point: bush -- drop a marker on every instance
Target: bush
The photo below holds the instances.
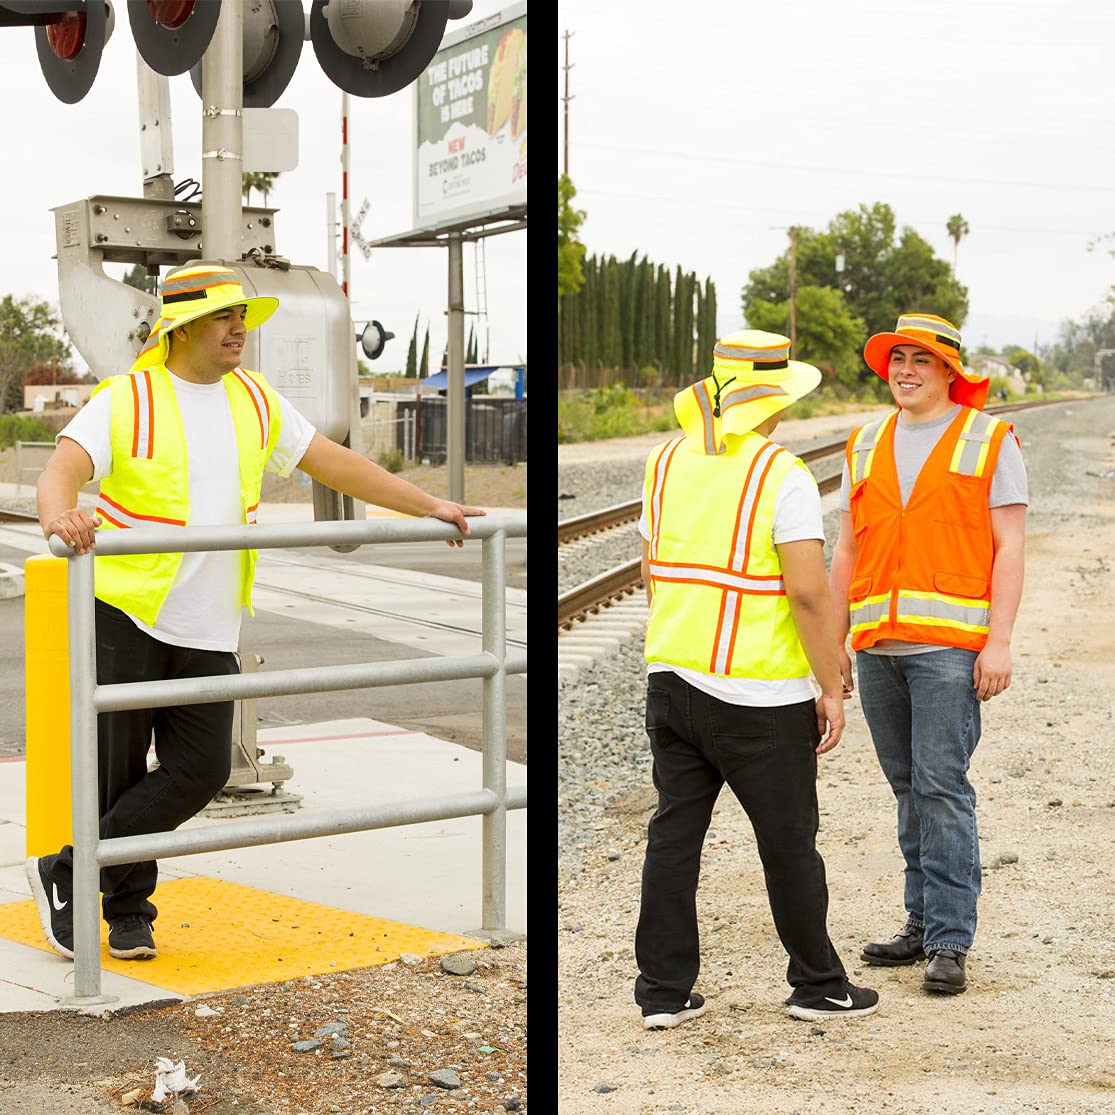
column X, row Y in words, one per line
column 15, row 427
column 391, row 459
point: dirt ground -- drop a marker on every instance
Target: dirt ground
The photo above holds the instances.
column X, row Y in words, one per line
column 1032, row 1033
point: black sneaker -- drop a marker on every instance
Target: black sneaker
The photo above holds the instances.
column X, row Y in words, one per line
column 55, row 902
column 664, row 1020
column 129, row 938
column 853, row 1003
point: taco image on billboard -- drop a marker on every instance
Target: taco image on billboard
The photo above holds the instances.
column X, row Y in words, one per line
column 519, row 93
column 501, row 79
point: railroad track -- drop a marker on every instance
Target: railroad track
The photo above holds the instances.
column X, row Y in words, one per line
column 587, row 599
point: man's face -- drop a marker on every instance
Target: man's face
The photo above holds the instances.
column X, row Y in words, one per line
column 216, row 341
column 919, row 378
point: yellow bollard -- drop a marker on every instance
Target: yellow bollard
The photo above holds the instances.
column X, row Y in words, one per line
column 47, row 701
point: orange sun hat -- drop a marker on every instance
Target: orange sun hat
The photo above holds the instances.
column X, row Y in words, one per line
column 939, row 336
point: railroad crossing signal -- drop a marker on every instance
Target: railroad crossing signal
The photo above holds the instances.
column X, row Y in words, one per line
column 370, row 48
column 356, row 234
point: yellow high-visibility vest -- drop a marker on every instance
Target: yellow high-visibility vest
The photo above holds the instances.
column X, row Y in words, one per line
column 719, row 603
column 148, row 482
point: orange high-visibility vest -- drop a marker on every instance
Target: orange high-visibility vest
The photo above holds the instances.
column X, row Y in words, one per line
column 923, row 571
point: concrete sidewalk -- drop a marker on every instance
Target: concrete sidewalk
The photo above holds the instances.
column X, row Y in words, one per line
column 280, row 911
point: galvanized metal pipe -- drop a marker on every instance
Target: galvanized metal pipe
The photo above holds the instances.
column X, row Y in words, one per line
column 83, row 783
column 180, row 540
column 281, row 683
column 494, row 712
column 276, row 830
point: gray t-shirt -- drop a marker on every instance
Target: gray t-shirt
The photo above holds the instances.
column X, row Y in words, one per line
column 913, row 442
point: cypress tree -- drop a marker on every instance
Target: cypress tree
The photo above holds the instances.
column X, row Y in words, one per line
column 412, row 352
column 424, row 362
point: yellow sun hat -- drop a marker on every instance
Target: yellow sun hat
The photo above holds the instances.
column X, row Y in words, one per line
column 753, row 378
column 191, row 292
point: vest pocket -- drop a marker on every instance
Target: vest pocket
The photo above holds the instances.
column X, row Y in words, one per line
column 960, row 584
column 961, row 501
column 860, row 589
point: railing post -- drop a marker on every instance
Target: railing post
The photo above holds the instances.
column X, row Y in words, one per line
column 494, row 641
column 84, row 785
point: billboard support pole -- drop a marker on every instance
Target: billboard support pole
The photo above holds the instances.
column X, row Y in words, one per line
column 455, row 373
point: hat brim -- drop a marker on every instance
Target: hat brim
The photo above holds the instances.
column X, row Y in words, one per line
column 258, row 308
column 966, row 389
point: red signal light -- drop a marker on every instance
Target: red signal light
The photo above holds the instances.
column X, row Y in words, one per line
column 171, row 13
column 66, row 36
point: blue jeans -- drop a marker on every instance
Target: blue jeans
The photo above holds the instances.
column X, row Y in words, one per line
column 925, row 723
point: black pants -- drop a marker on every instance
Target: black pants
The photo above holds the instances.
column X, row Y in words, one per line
column 767, row 757
column 193, row 744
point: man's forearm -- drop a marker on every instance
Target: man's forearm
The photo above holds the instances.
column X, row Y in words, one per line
column 364, row 480
column 840, row 579
column 816, row 628
column 54, row 494
column 1006, row 591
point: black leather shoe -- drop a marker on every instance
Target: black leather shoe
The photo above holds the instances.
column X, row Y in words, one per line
column 945, row 972
column 904, row 948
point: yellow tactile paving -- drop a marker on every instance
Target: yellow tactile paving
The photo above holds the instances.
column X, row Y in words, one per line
column 214, row 935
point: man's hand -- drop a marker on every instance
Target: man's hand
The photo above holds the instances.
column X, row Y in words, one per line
column 455, row 513
column 992, row 671
column 830, row 715
column 75, row 527
column 846, row 673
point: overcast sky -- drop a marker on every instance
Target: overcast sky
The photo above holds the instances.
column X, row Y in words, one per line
column 696, row 128
column 57, row 153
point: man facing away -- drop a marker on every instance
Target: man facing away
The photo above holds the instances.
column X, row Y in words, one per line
column 927, row 576
column 734, row 567
column 182, row 439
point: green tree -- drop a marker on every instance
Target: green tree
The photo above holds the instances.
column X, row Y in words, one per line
column 470, row 348
column 412, row 352
column 887, row 272
column 957, row 230
column 570, row 249
column 138, row 278
column 1025, row 361
column 30, row 333
column 424, row 360
column 830, row 336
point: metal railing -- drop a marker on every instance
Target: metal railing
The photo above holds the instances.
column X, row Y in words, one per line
column 88, row 699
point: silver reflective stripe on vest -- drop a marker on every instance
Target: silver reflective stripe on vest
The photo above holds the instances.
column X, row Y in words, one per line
column 869, row 613
column 660, row 467
column 747, row 505
column 261, row 406
column 142, row 441
column 727, row 626
column 864, row 448
column 972, row 441
column 717, row 578
column 940, row 611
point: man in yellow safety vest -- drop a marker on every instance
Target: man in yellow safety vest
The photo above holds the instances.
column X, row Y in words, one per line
column 733, row 561
column 182, row 439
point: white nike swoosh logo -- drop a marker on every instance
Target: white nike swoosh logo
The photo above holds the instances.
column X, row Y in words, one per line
column 845, row 1002
column 54, row 898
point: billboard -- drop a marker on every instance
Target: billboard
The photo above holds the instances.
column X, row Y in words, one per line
column 471, row 122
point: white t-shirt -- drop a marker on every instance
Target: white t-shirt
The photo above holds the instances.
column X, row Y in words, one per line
column 202, row 609
column 797, row 516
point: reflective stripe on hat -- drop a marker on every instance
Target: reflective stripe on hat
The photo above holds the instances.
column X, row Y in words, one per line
column 780, row 352
column 932, row 609
column 193, row 284
column 120, row 516
column 143, row 416
column 733, row 396
column 969, row 458
column 944, row 332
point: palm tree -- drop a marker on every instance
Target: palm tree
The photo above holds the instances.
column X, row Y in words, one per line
column 957, row 229
column 261, row 180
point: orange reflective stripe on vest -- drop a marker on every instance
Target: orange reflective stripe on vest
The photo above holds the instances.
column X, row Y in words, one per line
column 923, row 570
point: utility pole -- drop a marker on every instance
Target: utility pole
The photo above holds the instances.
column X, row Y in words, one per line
column 566, row 99
column 793, row 291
